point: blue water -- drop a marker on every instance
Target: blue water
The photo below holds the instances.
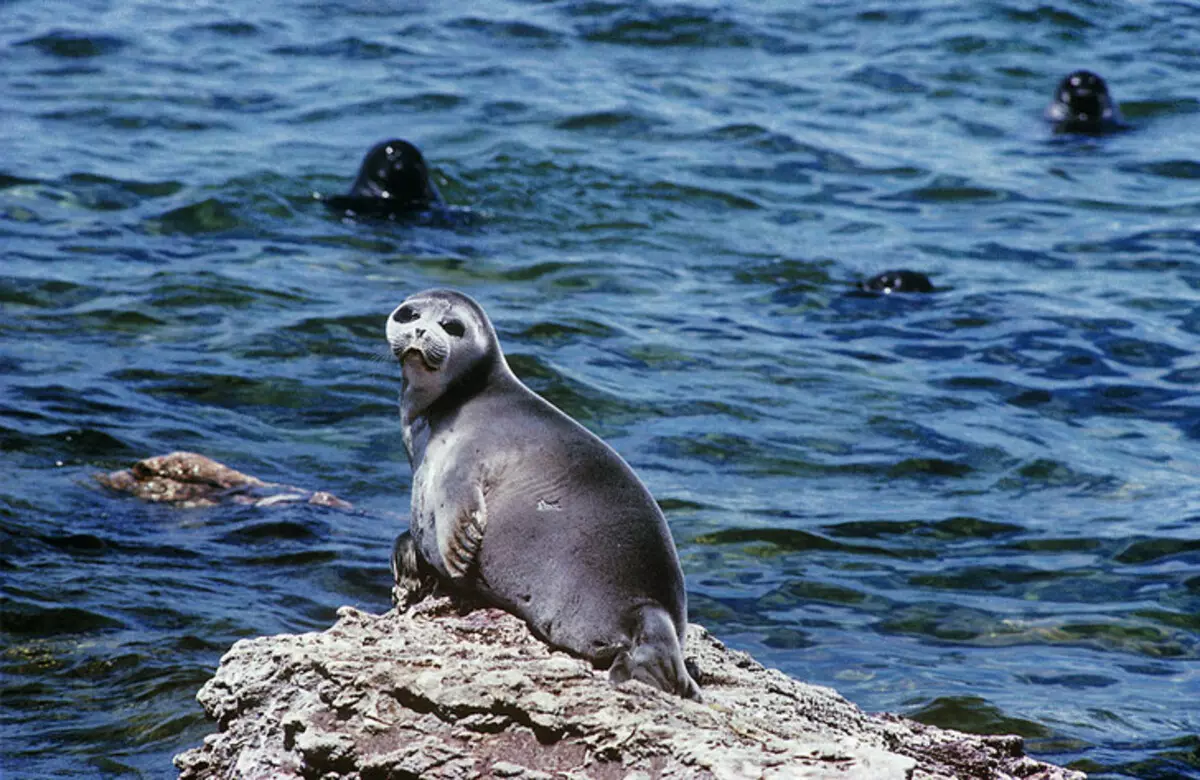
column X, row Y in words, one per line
column 978, row 507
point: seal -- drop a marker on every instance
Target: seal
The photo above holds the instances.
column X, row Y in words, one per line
column 392, row 180
column 1082, row 104
column 897, row 281
column 518, row 504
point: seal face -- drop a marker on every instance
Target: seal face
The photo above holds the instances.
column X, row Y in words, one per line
column 515, row 502
column 1082, row 105
column 897, row 281
column 392, row 180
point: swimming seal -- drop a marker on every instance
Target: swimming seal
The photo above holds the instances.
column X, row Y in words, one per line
column 897, row 281
column 516, row 503
column 1082, row 105
column 392, row 180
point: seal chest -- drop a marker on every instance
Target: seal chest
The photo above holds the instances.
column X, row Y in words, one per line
column 515, row 502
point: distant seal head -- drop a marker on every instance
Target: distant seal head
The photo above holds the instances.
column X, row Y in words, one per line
column 1082, row 104
column 516, row 503
column 898, row 281
column 392, row 180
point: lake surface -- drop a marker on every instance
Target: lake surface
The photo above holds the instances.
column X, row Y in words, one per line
column 979, row 507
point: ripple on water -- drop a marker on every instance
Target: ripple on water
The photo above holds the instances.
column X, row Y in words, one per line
column 973, row 501
column 71, row 45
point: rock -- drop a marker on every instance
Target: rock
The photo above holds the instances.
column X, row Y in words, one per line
column 436, row 693
column 187, row 479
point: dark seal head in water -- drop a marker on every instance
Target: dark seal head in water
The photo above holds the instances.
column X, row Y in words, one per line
column 392, row 180
column 1082, row 105
column 898, row 281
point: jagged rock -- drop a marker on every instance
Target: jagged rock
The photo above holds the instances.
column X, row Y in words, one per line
column 435, row 693
column 188, row 479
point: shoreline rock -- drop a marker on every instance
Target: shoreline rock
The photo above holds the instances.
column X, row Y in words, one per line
column 435, row 693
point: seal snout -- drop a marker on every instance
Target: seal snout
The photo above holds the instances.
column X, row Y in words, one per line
column 412, row 354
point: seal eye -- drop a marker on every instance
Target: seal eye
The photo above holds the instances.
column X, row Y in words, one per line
column 404, row 314
column 455, row 328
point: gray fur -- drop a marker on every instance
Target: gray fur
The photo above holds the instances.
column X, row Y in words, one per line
column 515, row 502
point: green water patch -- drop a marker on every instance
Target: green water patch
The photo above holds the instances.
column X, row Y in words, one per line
column 874, row 529
column 134, row 320
column 951, row 528
column 102, row 193
column 767, row 542
column 798, row 591
column 1186, row 621
column 964, row 527
column 926, row 467
column 787, row 274
column 950, row 190
column 281, row 399
column 609, row 122
column 71, row 45
column 1188, row 170
column 1053, row 545
column 1010, row 580
column 207, row 216
column 655, row 27
column 520, row 33
column 566, row 330
column 208, row 289
column 1153, row 550
column 964, row 625
column 1044, row 473
column 1074, row 681
column 738, row 453
column 975, row 715
column 347, row 48
column 1152, row 109
column 788, row 638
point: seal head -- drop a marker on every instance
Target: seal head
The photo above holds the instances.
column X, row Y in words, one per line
column 897, row 281
column 1082, row 105
column 392, row 180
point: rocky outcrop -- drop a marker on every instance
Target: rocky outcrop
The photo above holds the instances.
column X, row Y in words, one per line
column 435, row 693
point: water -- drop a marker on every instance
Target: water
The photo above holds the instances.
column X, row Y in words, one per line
column 977, row 507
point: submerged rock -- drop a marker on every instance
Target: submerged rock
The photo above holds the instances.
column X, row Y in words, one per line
column 188, row 479
column 435, row 693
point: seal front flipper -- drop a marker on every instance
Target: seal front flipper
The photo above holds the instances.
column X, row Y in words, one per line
column 654, row 656
column 414, row 579
column 460, row 544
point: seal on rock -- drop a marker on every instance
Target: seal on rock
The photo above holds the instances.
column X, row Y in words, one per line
column 1082, row 105
column 897, row 281
column 393, row 180
column 516, row 503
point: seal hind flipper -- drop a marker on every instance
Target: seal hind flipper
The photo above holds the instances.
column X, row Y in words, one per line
column 413, row 578
column 654, row 656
